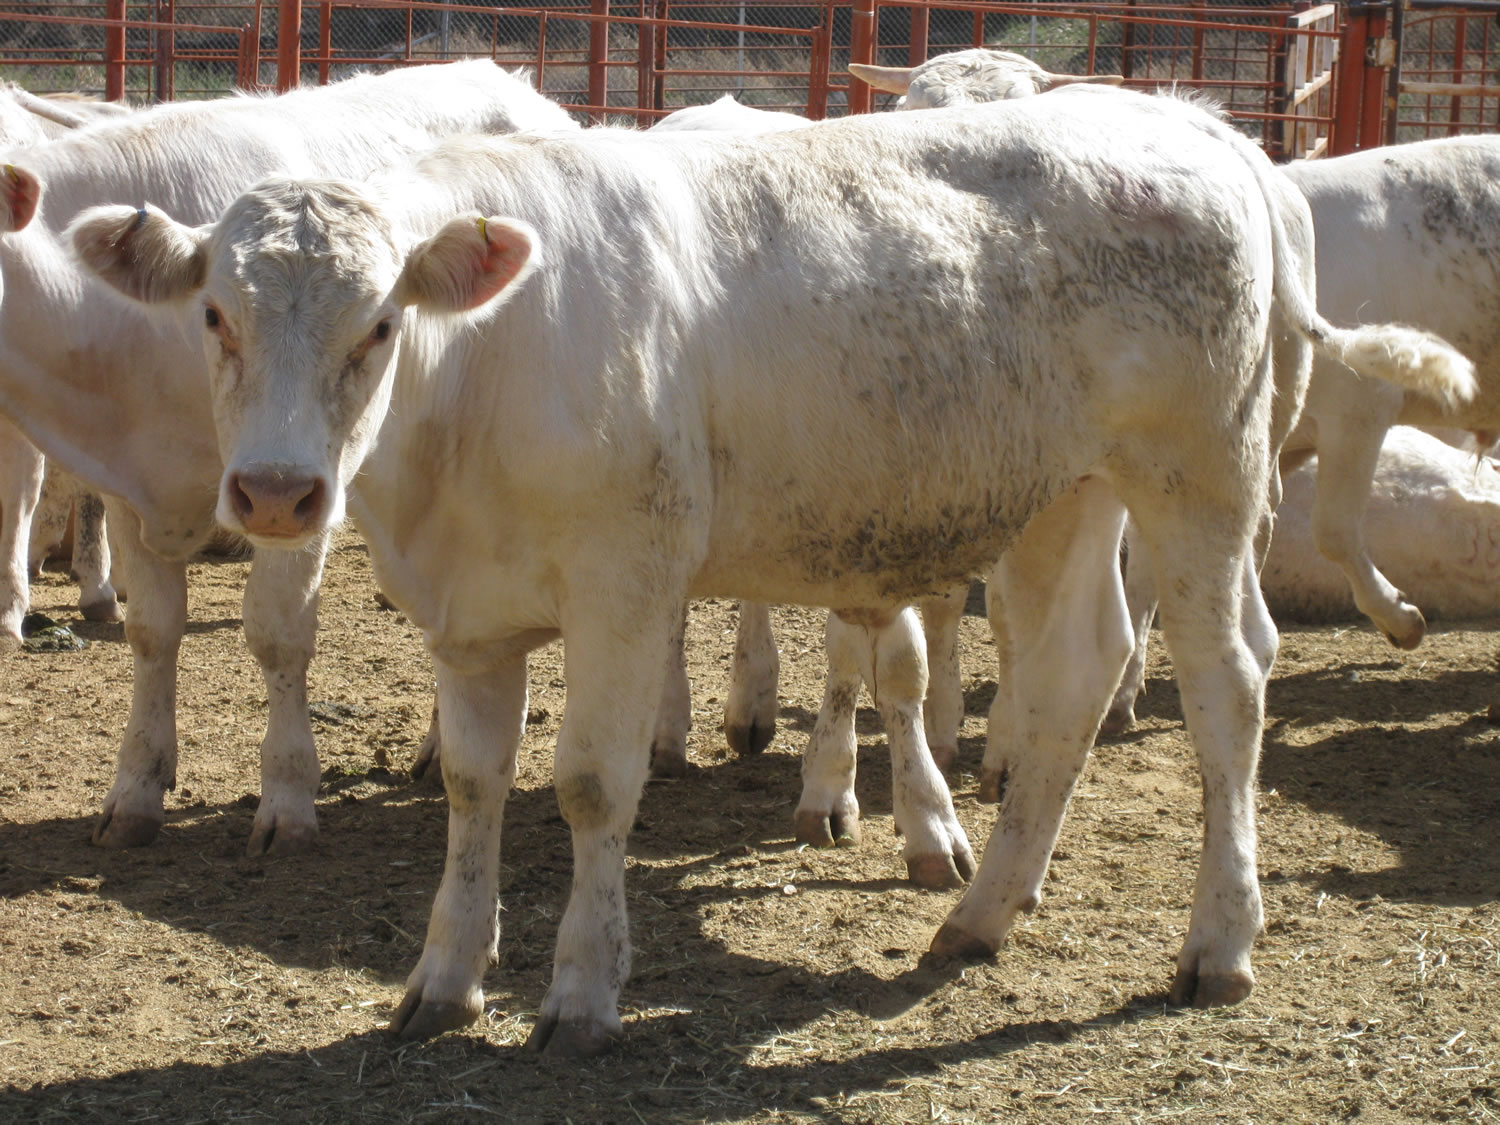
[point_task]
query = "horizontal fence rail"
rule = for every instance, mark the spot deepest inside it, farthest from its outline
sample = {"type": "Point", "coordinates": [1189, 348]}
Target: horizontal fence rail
{"type": "Point", "coordinates": [1302, 79]}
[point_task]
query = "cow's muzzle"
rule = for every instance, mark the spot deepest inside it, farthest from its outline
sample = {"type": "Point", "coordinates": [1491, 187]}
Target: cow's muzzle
{"type": "Point", "coordinates": [277, 503]}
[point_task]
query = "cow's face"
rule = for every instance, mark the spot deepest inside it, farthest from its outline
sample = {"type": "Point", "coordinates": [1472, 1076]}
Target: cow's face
{"type": "Point", "coordinates": [299, 293]}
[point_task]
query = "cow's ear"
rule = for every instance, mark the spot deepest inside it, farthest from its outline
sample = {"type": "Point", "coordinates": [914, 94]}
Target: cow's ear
{"type": "Point", "coordinates": [467, 263]}
{"type": "Point", "coordinates": [140, 252]}
{"type": "Point", "coordinates": [20, 192]}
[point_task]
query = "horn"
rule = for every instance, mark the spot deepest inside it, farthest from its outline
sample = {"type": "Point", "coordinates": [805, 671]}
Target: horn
{"type": "Point", "coordinates": [891, 79]}
{"type": "Point", "coordinates": [1055, 80]}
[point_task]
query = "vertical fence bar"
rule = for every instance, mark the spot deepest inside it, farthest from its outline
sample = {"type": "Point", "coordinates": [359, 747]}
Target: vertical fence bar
{"type": "Point", "coordinates": [248, 78]}
{"type": "Point", "coordinates": [819, 64]}
{"type": "Point", "coordinates": [645, 64]}
{"type": "Point", "coordinates": [861, 49]}
{"type": "Point", "coordinates": [114, 52]}
{"type": "Point", "coordinates": [325, 41]}
{"type": "Point", "coordinates": [598, 58]}
{"type": "Point", "coordinates": [1349, 95]}
{"type": "Point", "coordinates": [921, 23]}
{"type": "Point", "coordinates": [166, 51]}
{"type": "Point", "coordinates": [288, 45]}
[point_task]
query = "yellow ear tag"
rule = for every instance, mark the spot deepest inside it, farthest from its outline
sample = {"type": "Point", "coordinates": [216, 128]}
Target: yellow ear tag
{"type": "Point", "coordinates": [483, 234]}
{"type": "Point", "coordinates": [10, 171]}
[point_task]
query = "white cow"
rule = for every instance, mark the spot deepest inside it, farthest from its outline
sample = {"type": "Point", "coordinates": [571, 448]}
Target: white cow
{"type": "Point", "coordinates": [116, 394]}
{"type": "Point", "coordinates": [970, 77]}
{"type": "Point", "coordinates": [1434, 208]}
{"type": "Point", "coordinates": [843, 366]}
{"type": "Point", "coordinates": [1432, 525]}
{"type": "Point", "coordinates": [26, 119]}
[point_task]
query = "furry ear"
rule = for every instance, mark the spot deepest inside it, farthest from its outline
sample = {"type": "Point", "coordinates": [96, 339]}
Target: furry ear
{"type": "Point", "coordinates": [467, 263]}
{"type": "Point", "coordinates": [20, 192]}
{"type": "Point", "coordinates": [140, 252]}
{"type": "Point", "coordinates": [891, 79]}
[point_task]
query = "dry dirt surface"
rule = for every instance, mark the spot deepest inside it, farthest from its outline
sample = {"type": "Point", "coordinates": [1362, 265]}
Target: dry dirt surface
{"type": "Point", "coordinates": [184, 982]}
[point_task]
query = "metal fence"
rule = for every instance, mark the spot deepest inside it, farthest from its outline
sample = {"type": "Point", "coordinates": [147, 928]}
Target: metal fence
{"type": "Point", "coordinates": [1300, 78]}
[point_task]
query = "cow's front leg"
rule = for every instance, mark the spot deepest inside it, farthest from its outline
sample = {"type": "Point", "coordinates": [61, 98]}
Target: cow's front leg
{"type": "Point", "coordinates": [614, 670]}
{"type": "Point", "coordinates": [1064, 619]}
{"type": "Point", "coordinates": [828, 811]}
{"type": "Point", "coordinates": [484, 715]}
{"type": "Point", "coordinates": [1140, 600]}
{"type": "Point", "coordinates": [21, 469]}
{"type": "Point", "coordinates": [750, 709]}
{"type": "Point", "coordinates": [91, 562]}
{"type": "Point", "coordinates": [281, 625]}
{"type": "Point", "coordinates": [147, 763]}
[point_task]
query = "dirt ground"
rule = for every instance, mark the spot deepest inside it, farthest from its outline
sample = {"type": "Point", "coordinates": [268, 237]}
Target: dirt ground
{"type": "Point", "coordinates": [184, 982]}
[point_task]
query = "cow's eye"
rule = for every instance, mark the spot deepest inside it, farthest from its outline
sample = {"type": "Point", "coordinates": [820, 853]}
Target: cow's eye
{"type": "Point", "coordinates": [382, 332]}
{"type": "Point", "coordinates": [211, 317]}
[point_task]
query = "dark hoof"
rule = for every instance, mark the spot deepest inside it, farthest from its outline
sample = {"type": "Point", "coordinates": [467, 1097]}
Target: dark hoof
{"type": "Point", "coordinates": [122, 830]}
{"type": "Point", "coordinates": [1218, 990]}
{"type": "Point", "coordinates": [1412, 636]}
{"type": "Point", "coordinates": [747, 740]}
{"type": "Point", "coordinates": [935, 872]}
{"type": "Point", "coordinates": [991, 786]}
{"type": "Point", "coordinates": [1117, 721]}
{"type": "Point", "coordinates": [281, 840]}
{"type": "Point", "coordinates": [826, 830]}
{"type": "Point", "coordinates": [950, 941]}
{"type": "Point", "coordinates": [426, 1019]}
{"type": "Point", "coordinates": [668, 762]}
{"type": "Point", "coordinates": [571, 1039]}
{"type": "Point", "coordinates": [108, 611]}
{"type": "Point", "coordinates": [429, 765]}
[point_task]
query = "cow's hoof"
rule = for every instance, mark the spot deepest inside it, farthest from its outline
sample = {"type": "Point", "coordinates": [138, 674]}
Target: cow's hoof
{"type": "Point", "coordinates": [106, 610]}
{"type": "Point", "coordinates": [572, 1039]}
{"type": "Point", "coordinates": [1412, 628]}
{"type": "Point", "coordinates": [417, 1018]}
{"type": "Point", "coordinates": [747, 739]}
{"type": "Point", "coordinates": [429, 762]}
{"type": "Point", "coordinates": [944, 756]}
{"type": "Point", "coordinates": [668, 761]}
{"type": "Point", "coordinates": [126, 830]}
{"type": "Point", "coordinates": [827, 830]}
{"type": "Point", "coordinates": [950, 941]}
{"type": "Point", "coordinates": [1118, 721]}
{"type": "Point", "coordinates": [991, 786]}
{"type": "Point", "coordinates": [1210, 990]}
{"type": "Point", "coordinates": [936, 872]}
{"type": "Point", "coordinates": [281, 838]}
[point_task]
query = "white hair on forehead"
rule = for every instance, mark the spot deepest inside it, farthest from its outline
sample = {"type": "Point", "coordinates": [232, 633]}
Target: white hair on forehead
{"type": "Point", "coordinates": [977, 75]}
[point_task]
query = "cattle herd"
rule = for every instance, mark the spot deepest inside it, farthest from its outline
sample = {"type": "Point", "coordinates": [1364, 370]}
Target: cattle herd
{"type": "Point", "coordinates": [563, 380]}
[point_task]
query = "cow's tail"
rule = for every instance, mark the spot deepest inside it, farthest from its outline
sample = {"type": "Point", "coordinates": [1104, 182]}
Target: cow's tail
{"type": "Point", "coordinates": [1409, 358]}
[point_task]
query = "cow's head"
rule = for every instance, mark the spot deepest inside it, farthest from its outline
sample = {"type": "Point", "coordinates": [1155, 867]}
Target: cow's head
{"type": "Point", "coordinates": [969, 77]}
{"type": "Point", "coordinates": [299, 292]}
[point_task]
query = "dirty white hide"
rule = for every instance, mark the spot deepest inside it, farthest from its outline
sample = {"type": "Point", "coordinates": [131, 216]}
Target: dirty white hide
{"type": "Point", "coordinates": [116, 393]}
{"type": "Point", "coordinates": [827, 812]}
{"type": "Point", "coordinates": [1003, 327]}
{"type": "Point", "coordinates": [35, 502]}
{"type": "Point", "coordinates": [1432, 525]}
{"type": "Point", "coordinates": [1407, 233]}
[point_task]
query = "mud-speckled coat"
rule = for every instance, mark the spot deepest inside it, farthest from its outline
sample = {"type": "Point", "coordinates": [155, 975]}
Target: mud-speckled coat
{"type": "Point", "coordinates": [844, 366]}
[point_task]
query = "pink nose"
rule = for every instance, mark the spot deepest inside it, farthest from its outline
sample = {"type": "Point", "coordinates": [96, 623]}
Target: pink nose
{"type": "Point", "coordinates": [277, 504]}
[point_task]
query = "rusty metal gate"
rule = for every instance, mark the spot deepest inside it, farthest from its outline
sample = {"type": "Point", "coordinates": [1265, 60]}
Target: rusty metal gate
{"type": "Point", "coordinates": [1302, 78]}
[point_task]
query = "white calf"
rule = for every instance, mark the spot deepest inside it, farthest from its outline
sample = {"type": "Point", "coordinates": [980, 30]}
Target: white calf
{"type": "Point", "coordinates": [1001, 327]}
{"type": "Point", "coordinates": [117, 394]}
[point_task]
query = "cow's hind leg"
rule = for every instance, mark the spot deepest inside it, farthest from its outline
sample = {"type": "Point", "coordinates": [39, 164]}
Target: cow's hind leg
{"type": "Point", "coordinates": [484, 714]}
{"type": "Point", "coordinates": [1064, 613]}
{"type": "Point", "coordinates": [1222, 643]}
{"type": "Point", "coordinates": [750, 709]}
{"type": "Point", "coordinates": [828, 811]}
{"type": "Point", "coordinates": [147, 763]}
{"type": "Point", "coordinates": [281, 626]}
{"type": "Point", "coordinates": [91, 561]}
{"type": "Point", "coordinates": [943, 710]}
{"type": "Point", "coordinates": [1140, 598]}
{"type": "Point", "coordinates": [674, 714]}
